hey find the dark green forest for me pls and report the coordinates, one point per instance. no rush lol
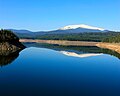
(113, 39)
(97, 37)
(9, 42)
(6, 35)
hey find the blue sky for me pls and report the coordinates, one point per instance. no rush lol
(52, 14)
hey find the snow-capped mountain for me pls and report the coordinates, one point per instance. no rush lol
(81, 26)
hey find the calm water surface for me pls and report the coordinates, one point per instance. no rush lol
(42, 71)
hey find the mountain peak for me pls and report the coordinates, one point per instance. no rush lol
(81, 26)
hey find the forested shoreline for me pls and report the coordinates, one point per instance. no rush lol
(112, 39)
(95, 37)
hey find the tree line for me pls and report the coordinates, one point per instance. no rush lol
(97, 37)
(113, 39)
(6, 35)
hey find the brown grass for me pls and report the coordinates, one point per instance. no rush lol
(62, 42)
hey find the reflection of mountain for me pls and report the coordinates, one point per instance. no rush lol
(75, 49)
(79, 55)
(7, 57)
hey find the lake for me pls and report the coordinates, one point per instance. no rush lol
(53, 70)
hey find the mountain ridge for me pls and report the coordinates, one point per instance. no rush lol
(81, 28)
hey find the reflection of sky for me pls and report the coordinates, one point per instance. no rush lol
(79, 55)
(42, 71)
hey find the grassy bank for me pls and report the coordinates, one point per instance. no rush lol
(111, 46)
(62, 42)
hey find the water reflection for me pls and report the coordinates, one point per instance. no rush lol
(79, 55)
(76, 50)
(7, 57)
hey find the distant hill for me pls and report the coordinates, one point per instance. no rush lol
(19, 31)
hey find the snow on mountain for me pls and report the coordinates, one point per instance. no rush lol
(69, 27)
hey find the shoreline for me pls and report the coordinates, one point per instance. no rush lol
(62, 42)
(110, 46)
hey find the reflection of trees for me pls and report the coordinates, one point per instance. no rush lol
(7, 57)
(77, 49)
(107, 51)
(9, 47)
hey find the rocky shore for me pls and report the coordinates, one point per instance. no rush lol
(7, 47)
(9, 41)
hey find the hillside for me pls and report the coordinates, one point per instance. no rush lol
(112, 39)
(9, 41)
